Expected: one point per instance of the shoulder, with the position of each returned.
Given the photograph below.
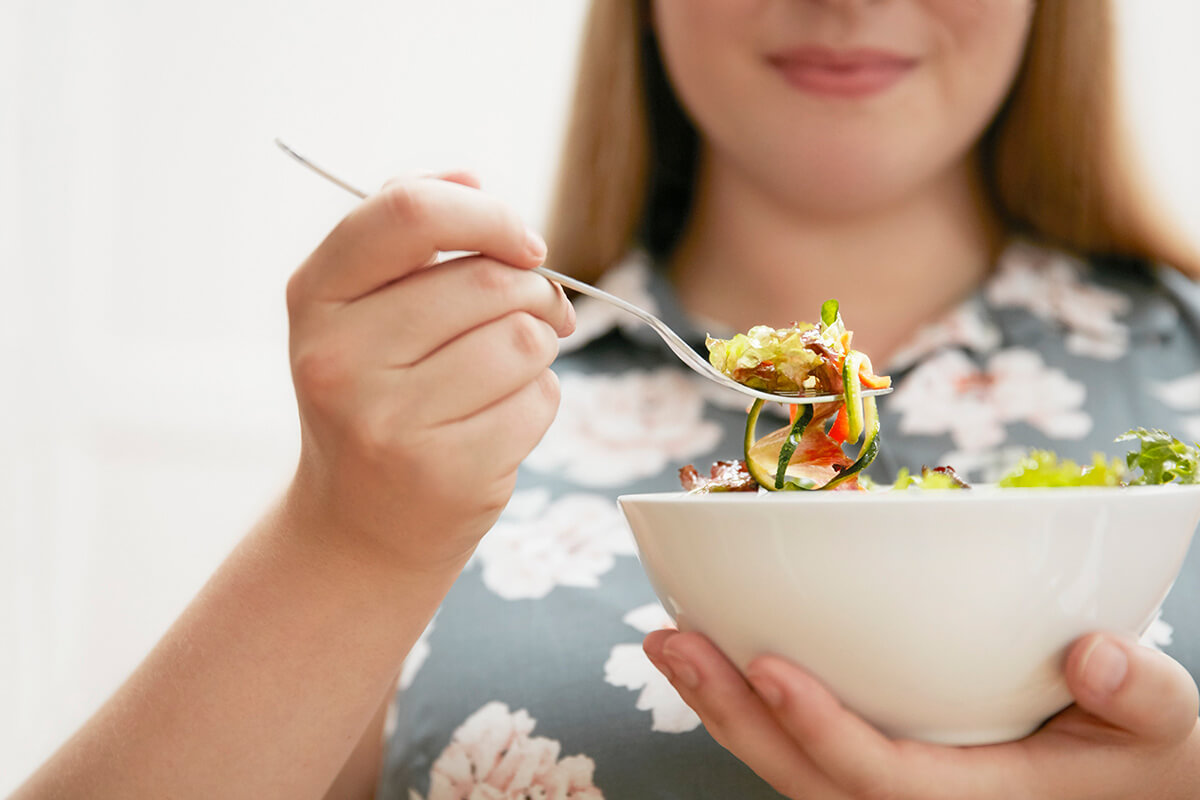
(1149, 286)
(1101, 306)
(1162, 306)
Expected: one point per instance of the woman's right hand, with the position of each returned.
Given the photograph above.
(420, 387)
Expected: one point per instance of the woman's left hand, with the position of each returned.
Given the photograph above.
(1132, 732)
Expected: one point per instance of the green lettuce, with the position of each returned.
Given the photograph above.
(1044, 469)
(941, 478)
(1161, 458)
(770, 359)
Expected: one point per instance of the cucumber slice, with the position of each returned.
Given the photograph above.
(761, 477)
(866, 453)
(870, 445)
(761, 474)
(789, 444)
(852, 390)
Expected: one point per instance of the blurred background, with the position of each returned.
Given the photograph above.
(148, 226)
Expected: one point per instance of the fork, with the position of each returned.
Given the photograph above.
(673, 340)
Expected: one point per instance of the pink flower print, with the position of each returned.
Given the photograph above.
(1050, 285)
(492, 756)
(539, 544)
(628, 666)
(628, 280)
(949, 394)
(966, 326)
(612, 429)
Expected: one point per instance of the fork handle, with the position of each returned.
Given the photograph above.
(588, 289)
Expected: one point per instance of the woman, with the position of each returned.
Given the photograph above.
(920, 160)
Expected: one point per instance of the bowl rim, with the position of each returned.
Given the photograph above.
(976, 493)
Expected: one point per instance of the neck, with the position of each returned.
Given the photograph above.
(747, 259)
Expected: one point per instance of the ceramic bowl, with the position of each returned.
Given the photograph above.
(942, 616)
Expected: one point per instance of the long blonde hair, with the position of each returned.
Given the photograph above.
(1057, 158)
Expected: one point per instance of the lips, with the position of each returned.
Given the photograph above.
(842, 73)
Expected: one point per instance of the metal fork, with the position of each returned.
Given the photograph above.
(678, 346)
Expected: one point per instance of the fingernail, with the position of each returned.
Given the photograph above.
(767, 689)
(535, 244)
(1104, 667)
(684, 672)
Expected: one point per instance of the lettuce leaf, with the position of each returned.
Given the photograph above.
(937, 478)
(1161, 457)
(829, 313)
(786, 360)
(1044, 469)
(770, 359)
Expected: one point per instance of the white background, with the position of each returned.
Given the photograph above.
(147, 227)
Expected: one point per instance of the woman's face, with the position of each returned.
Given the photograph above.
(841, 106)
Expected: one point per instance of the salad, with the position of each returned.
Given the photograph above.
(808, 454)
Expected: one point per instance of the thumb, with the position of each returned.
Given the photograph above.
(1140, 690)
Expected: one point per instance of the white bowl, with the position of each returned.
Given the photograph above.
(943, 615)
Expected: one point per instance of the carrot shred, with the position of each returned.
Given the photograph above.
(872, 381)
(840, 430)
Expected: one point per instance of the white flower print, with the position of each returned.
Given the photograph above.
(948, 393)
(628, 280)
(1051, 286)
(539, 544)
(416, 657)
(628, 666)
(1158, 634)
(1182, 394)
(966, 326)
(722, 398)
(408, 672)
(612, 429)
(492, 756)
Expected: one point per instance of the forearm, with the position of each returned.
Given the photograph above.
(264, 684)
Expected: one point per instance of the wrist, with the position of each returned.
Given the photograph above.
(328, 532)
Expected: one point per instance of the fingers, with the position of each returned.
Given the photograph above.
(1135, 718)
(856, 756)
(1134, 688)
(482, 366)
(790, 730)
(733, 714)
(512, 425)
(401, 229)
(420, 313)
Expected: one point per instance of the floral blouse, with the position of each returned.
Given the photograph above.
(530, 683)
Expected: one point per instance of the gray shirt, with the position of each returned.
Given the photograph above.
(531, 683)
